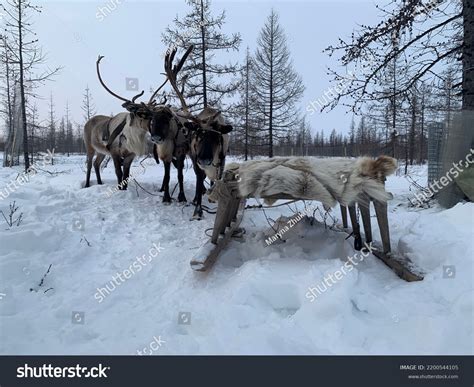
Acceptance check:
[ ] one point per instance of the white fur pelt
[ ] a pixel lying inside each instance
(330, 181)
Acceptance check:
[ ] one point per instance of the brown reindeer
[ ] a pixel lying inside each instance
(122, 136)
(208, 136)
(169, 133)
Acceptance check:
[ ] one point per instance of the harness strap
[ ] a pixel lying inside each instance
(180, 127)
(115, 133)
(184, 146)
(105, 131)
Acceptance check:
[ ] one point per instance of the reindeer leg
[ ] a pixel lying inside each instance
(89, 168)
(355, 228)
(200, 176)
(118, 170)
(180, 166)
(127, 162)
(166, 182)
(364, 205)
(98, 160)
(155, 153)
(344, 216)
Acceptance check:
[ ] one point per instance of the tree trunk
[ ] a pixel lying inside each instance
(22, 88)
(394, 117)
(422, 124)
(412, 128)
(203, 42)
(6, 163)
(270, 113)
(247, 88)
(468, 56)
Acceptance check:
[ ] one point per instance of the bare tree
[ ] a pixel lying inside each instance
(51, 125)
(201, 76)
(88, 106)
(427, 33)
(277, 85)
(7, 106)
(244, 113)
(25, 55)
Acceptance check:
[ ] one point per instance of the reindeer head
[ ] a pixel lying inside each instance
(209, 139)
(141, 113)
(209, 132)
(163, 124)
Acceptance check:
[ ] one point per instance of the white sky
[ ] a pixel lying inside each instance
(130, 39)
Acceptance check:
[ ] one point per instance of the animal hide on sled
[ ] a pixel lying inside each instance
(330, 181)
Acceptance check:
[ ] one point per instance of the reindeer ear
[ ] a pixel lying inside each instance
(224, 129)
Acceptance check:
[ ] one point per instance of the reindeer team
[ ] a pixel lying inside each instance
(175, 133)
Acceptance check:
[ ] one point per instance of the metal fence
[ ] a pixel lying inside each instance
(436, 130)
(448, 145)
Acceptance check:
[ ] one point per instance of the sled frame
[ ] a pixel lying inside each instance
(230, 210)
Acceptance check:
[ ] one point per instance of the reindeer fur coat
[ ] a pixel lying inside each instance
(330, 181)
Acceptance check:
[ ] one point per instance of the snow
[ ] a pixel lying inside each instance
(254, 300)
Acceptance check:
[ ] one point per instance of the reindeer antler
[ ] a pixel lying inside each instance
(110, 91)
(157, 90)
(172, 73)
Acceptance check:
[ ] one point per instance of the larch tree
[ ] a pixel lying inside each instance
(7, 91)
(205, 82)
(277, 85)
(428, 33)
(88, 106)
(244, 112)
(25, 56)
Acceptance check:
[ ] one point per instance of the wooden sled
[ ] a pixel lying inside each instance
(230, 211)
(401, 265)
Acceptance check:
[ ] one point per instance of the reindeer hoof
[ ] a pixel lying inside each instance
(197, 214)
(358, 243)
(166, 200)
(182, 198)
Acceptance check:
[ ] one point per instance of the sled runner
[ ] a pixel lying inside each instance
(300, 179)
(230, 211)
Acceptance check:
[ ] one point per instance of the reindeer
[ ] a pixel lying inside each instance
(169, 134)
(208, 136)
(122, 136)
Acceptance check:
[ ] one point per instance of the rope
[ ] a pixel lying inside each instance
(209, 210)
(148, 192)
(260, 206)
(174, 189)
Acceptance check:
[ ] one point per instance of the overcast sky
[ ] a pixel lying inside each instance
(74, 33)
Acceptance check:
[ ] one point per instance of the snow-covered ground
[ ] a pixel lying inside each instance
(255, 299)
